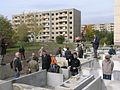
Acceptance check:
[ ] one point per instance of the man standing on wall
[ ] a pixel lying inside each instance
(3, 47)
(95, 44)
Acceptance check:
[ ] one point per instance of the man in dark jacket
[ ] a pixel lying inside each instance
(95, 44)
(75, 65)
(16, 65)
(22, 52)
(46, 61)
(3, 47)
(112, 51)
(68, 55)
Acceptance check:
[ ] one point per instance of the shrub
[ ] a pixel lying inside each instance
(60, 39)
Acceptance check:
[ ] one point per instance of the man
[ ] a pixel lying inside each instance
(75, 65)
(68, 55)
(22, 52)
(107, 67)
(3, 47)
(33, 65)
(112, 51)
(46, 61)
(16, 65)
(95, 44)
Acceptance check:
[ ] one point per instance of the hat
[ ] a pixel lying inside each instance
(107, 56)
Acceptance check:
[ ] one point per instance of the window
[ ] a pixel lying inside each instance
(70, 32)
(52, 28)
(70, 17)
(52, 32)
(56, 32)
(52, 23)
(36, 37)
(56, 23)
(56, 13)
(52, 18)
(70, 12)
(52, 37)
(70, 22)
(56, 27)
(70, 27)
(56, 18)
(70, 37)
(36, 15)
(52, 14)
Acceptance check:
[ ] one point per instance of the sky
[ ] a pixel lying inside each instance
(92, 11)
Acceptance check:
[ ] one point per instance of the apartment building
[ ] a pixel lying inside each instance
(100, 27)
(65, 22)
(117, 22)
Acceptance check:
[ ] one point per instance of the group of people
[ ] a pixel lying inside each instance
(49, 61)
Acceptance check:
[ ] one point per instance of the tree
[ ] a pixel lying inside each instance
(6, 29)
(60, 39)
(36, 29)
(21, 34)
(89, 33)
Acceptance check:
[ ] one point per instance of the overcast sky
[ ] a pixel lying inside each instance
(93, 11)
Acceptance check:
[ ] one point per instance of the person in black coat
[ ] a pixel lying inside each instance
(3, 47)
(22, 52)
(95, 44)
(16, 65)
(68, 55)
(75, 65)
(46, 61)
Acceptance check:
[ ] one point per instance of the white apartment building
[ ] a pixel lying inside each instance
(65, 22)
(100, 27)
(117, 22)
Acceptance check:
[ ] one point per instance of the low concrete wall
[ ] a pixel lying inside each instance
(37, 79)
(96, 84)
(54, 79)
(6, 72)
(75, 85)
(116, 75)
(6, 85)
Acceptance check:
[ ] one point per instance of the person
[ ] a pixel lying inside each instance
(95, 44)
(75, 65)
(40, 52)
(46, 61)
(112, 51)
(64, 50)
(16, 65)
(107, 67)
(79, 51)
(68, 55)
(22, 52)
(33, 57)
(53, 66)
(3, 47)
(33, 65)
(59, 52)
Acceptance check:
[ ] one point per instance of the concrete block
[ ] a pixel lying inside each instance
(6, 72)
(54, 79)
(96, 84)
(6, 85)
(37, 79)
(65, 72)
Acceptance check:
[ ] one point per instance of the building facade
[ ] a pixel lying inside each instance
(65, 22)
(117, 22)
(100, 27)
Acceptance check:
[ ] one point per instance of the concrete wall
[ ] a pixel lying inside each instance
(96, 84)
(6, 85)
(6, 72)
(77, 85)
(37, 79)
(54, 79)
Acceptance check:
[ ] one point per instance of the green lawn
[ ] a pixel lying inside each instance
(51, 46)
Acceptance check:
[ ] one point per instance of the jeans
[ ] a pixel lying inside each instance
(17, 74)
(95, 52)
(1, 59)
(108, 77)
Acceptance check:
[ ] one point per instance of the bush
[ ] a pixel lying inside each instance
(60, 39)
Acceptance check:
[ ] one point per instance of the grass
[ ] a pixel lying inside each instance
(51, 47)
